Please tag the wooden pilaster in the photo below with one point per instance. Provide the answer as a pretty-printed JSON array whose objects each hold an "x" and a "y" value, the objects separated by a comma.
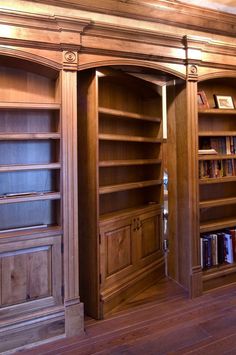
[
  {"x": 192, "y": 129},
  {"x": 73, "y": 307}
]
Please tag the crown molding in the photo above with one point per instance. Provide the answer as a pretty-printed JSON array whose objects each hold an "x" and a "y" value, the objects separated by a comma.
[{"x": 170, "y": 12}]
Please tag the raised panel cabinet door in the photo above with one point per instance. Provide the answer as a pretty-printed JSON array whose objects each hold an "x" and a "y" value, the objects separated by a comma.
[
  {"x": 116, "y": 250},
  {"x": 149, "y": 234},
  {"x": 26, "y": 275},
  {"x": 31, "y": 273}
]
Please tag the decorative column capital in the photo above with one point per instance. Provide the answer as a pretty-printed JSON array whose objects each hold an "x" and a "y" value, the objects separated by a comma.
[{"x": 70, "y": 60}]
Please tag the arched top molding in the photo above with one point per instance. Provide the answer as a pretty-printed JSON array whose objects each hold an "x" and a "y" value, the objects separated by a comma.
[
  {"x": 132, "y": 62},
  {"x": 34, "y": 63},
  {"x": 218, "y": 74}
]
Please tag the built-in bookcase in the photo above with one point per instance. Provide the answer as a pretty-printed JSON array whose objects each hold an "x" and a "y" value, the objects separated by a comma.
[
  {"x": 130, "y": 143},
  {"x": 29, "y": 165},
  {"x": 120, "y": 187},
  {"x": 30, "y": 191},
  {"x": 217, "y": 182}
]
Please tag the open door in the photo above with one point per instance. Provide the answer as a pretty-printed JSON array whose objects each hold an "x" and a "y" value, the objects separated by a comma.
[{"x": 120, "y": 185}]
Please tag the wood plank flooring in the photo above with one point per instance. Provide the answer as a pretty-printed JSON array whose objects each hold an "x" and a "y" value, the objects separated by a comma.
[{"x": 161, "y": 320}]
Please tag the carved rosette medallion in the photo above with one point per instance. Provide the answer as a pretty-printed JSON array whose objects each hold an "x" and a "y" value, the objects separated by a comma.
[
  {"x": 70, "y": 60},
  {"x": 192, "y": 72}
]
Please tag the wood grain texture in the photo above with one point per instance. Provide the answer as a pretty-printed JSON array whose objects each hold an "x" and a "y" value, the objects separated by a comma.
[
  {"x": 160, "y": 320},
  {"x": 73, "y": 308}
]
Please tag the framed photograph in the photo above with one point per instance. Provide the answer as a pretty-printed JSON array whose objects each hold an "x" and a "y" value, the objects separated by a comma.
[
  {"x": 202, "y": 100},
  {"x": 224, "y": 102}
]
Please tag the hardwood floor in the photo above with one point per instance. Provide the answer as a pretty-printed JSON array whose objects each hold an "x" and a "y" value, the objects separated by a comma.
[{"x": 161, "y": 320}]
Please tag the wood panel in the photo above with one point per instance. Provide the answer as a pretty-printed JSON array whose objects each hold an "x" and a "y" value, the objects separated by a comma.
[
  {"x": 26, "y": 275},
  {"x": 30, "y": 271},
  {"x": 88, "y": 190},
  {"x": 151, "y": 234},
  {"x": 28, "y": 87},
  {"x": 118, "y": 250}
]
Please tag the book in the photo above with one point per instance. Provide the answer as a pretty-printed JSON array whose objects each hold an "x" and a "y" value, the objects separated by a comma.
[
  {"x": 233, "y": 234},
  {"x": 228, "y": 248}
]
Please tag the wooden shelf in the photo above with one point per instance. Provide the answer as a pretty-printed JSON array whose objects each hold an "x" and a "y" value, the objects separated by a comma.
[
  {"x": 27, "y": 106},
  {"x": 217, "y": 180},
  {"x": 216, "y": 111},
  {"x": 110, "y": 163},
  {"x": 216, "y": 156},
  {"x": 127, "y": 115},
  {"x": 217, "y": 134},
  {"x": 218, "y": 224},
  {"x": 128, "y": 186},
  {"x": 218, "y": 202},
  {"x": 9, "y": 168},
  {"x": 124, "y": 138},
  {"x": 218, "y": 271},
  {"x": 128, "y": 211},
  {"x": 31, "y": 197},
  {"x": 30, "y": 231},
  {"x": 29, "y": 136}
]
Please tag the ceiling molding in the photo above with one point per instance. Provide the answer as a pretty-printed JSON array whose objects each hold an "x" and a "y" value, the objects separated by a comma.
[{"x": 169, "y": 12}]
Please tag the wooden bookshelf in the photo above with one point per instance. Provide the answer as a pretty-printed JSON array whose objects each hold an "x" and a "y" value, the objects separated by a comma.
[
  {"x": 121, "y": 185},
  {"x": 31, "y": 231},
  {"x": 217, "y": 198}
]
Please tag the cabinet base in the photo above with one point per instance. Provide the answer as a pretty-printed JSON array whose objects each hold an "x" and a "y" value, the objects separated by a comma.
[
  {"x": 145, "y": 278},
  {"x": 34, "y": 329}
]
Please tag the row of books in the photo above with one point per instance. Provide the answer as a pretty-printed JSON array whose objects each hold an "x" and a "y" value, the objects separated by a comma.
[
  {"x": 217, "y": 168},
  {"x": 218, "y": 248},
  {"x": 221, "y": 145}
]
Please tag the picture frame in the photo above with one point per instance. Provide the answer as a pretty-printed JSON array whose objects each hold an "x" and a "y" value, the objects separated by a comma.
[
  {"x": 224, "y": 102},
  {"x": 202, "y": 100}
]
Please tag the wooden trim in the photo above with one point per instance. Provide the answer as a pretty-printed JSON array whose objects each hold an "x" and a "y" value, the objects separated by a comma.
[
  {"x": 170, "y": 13},
  {"x": 73, "y": 308}
]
